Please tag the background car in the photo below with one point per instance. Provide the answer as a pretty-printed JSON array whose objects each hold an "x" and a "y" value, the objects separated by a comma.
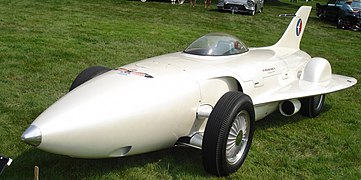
[
  {"x": 173, "y": 1},
  {"x": 332, "y": 10},
  {"x": 247, "y": 6}
]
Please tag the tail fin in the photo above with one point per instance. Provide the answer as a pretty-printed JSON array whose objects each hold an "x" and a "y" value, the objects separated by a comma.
[{"x": 291, "y": 38}]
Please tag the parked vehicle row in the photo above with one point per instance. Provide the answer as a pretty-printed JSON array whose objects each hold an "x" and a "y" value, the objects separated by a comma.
[{"x": 332, "y": 11}]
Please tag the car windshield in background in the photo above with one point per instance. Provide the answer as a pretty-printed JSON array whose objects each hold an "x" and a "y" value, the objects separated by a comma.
[
  {"x": 217, "y": 44},
  {"x": 356, "y": 4}
]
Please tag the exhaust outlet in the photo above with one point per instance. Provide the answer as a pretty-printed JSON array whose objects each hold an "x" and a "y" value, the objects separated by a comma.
[{"x": 289, "y": 107}]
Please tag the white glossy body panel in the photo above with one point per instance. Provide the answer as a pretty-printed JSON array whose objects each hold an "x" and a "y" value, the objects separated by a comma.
[{"x": 117, "y": 113}]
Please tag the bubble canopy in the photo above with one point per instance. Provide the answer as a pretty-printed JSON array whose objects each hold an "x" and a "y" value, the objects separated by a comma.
[{"x": 216, "y": 44}]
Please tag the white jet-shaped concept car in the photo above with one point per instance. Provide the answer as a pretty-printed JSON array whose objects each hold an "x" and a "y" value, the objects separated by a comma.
[{"x": 207, "y": 97}]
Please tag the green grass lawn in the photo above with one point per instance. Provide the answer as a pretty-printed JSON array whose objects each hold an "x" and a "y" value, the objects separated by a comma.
[{"x": 45, "y": 44}]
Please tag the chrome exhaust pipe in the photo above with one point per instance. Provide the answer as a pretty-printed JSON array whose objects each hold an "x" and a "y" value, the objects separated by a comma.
[{"x": 289, "y": 107}]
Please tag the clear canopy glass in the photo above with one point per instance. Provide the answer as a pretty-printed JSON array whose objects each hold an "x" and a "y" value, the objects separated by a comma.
[{"x": 216, "y": 44}]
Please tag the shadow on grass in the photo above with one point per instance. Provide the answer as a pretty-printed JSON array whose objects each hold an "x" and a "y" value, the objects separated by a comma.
[
  {"x": 276, "y": 120},
  {"x": 325, "y": 22},
  {"x": 328, "y": 24},
  {"x": 162, "y": 164}
]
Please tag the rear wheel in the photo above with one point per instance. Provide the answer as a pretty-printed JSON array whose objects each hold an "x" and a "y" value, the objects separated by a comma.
[
  {"x": 339, "y": 23},
  {"x": 312, "y": 106},
  {"x": 88, "y": 74},
  {"x": 228, "y": 134}
]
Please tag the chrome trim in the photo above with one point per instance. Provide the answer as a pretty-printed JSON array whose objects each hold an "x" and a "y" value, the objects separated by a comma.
[
  {"x": 238, "y": 137},
  {"x": 32, "y": 136},
  {"x": 204, "y": 111}
]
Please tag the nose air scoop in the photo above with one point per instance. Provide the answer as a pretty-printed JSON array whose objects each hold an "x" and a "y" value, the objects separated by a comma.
[{"x": 32, "y": 136}]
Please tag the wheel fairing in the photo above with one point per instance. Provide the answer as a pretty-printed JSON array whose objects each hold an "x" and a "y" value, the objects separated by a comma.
[{"x": 88, "y": 74}]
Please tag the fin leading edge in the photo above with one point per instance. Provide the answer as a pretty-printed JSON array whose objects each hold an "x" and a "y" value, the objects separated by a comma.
[{"x": 291, "y": 38}]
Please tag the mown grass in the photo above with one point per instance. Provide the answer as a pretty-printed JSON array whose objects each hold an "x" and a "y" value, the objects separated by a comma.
[{"x": 45, "y": 44}]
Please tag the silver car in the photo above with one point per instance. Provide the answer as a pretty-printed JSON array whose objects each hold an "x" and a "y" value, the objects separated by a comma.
[{"x": 247, "y": 6}]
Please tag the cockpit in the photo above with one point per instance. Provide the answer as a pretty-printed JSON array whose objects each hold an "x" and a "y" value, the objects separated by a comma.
[{"x": 216, "y": 44}]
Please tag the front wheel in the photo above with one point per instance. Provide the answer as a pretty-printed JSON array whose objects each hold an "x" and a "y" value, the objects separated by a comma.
[
  {"x": 339, "y": 23},
  {"x": 312, "y": 106},
  {"x": 228, "y": 134},
  {"x": 253, "y": 12},
  {"x": 88, "y": 74}
]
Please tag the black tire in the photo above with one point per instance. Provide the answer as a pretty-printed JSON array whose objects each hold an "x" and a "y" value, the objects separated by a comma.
[
  {"x": 233, "y": 109},
  {"x": 252, "y": 13},
  {"x": 320, "y": 16},
  {"x": 88, "y": 74},
  {"x": 339, "y": 23},
  {"x": 312, "y": 106}
]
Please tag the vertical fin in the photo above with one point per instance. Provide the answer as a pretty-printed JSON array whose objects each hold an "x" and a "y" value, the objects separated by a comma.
[{"x": 291, "y": 38}]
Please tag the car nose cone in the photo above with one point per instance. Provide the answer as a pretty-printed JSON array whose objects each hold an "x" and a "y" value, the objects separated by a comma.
[{"x": 32, "y": 136}]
